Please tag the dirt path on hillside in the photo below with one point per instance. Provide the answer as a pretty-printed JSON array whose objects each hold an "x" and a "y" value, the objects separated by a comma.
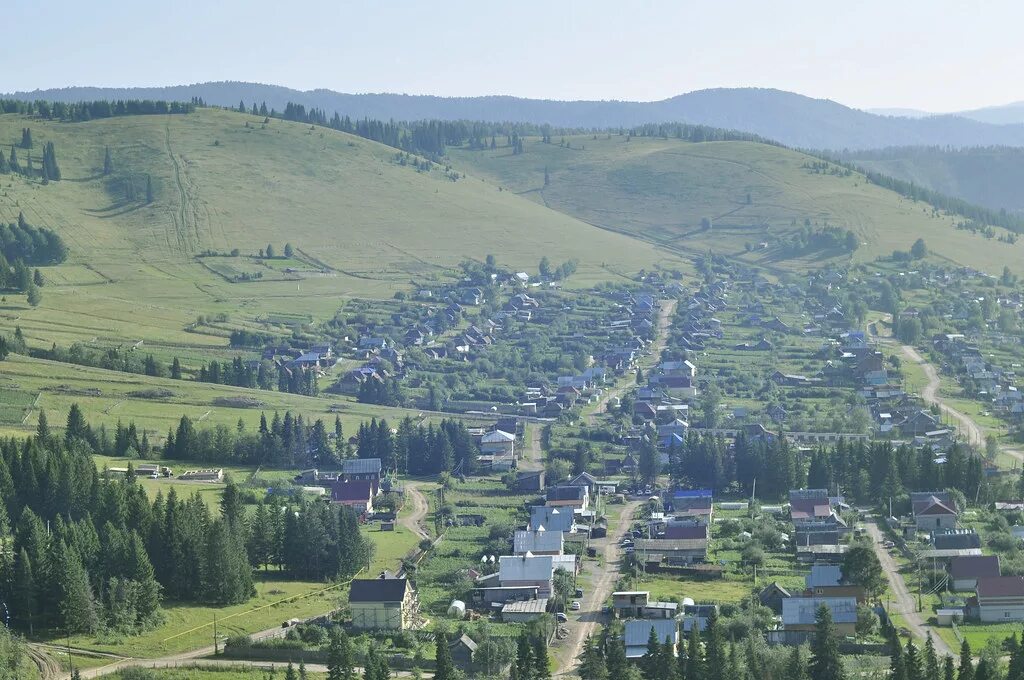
[
  {"x": 665, "y": 310},
  {"x": 413, "y": 521},
  {"x": 905, "y": 603},
  {"x": 532, "y": 458},
  {"x": 568, "y": 652}
]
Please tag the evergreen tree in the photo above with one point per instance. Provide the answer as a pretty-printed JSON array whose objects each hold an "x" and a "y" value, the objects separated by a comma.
[
  {"x": 77, "y": 605},
  {"x": 651, "y": 662},
  {"x": 695, "y": 667},
  {"x": 33, "y": 295},
  {"x": 108, "y": 162},
  {"x": 339, "y": 656},
  {"x": 289, "y": 673},
  {"x": 931, "y": 659},
  {"x": 176, "y": 369},
  {"x": 43, "y": 428},
  {"x": 592, "y": 664},
  {"x": 26, "y": 138},
  {"x": 541, "y": 665},
  {"x": 444, "y": 667},
  {"x": 149, "y": 188},
  {"x": 796, "y": 670},
  {"x": 825, "y": 664},
  {"x": 966, "y": 662},
  {"x": 288, "y": 250},
  {"x": 714, "y": 651},
  {"x": 25, "y": 606}
]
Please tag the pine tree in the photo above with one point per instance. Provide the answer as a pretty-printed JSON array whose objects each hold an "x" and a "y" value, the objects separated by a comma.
[
  {"x": 77, "y": 605},
  {"x": 966, "y": 662},
  {"x": 43, "y": 428},
  {"x": 948, "y": 669},
  {"x": 149, "y": 188},
  {"x": 694, "y": 668},
  {"x": 912, "y": 661},
  {"x": 339, "y": 656},
  {"x": 796, "y": 669},
  {"x": 825, "y": 663},
  {"x": 931, "y": 659},
  {"x": 26, "y": 138},
  {"x": 592, "y": 664},
  {"x": 541, "y": 664},
  {"x": 108, "y": 162},
  {"x": 33, "y": 295},
  {"x": 715, "y": 649},
  {"x": 289, "y": 673},
  {"x": 444, "y": 667},
  {"x": 176, "y": 369},
  {"x": 25, "y": 604},
  {"x": 651, "y": 662}
]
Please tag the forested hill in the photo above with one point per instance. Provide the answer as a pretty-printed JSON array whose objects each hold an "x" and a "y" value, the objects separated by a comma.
[
  {"x": 988, "y": 176},
  {"x": 789, "y": 118}
]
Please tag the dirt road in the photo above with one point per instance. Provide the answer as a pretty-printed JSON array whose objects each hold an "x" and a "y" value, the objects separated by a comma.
[
  {"x": 602, "y": 586},
  {"x": 930, "y": 393},
  {"x": 665, "y": 310},
  {"x": 413, "y": 521},
  {"x": 905, "y": 604}
]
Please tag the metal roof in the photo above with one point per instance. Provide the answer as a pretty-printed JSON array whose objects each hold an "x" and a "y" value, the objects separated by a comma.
[
  {"x": 377, "y": 590},
  {"x": 823, "y": 575},
  {"x": 802, "y": 610},
  {"x": 360, "y": 466},
  {"x": 638, "y": 632},
  {"x": 537, "y": 541}
]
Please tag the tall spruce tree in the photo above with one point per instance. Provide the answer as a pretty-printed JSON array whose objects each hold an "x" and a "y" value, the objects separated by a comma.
[
  {"x": 826, "y": 663},
  {"x": 444, "y": 668},
  {"x": 108, "y": 162}
]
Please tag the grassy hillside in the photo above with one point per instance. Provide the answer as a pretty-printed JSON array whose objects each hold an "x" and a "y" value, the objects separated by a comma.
[
  {"x": 990, "y": 177},
  {"x": 362, "y": 225},
  {"x": 661, "y": 189}
]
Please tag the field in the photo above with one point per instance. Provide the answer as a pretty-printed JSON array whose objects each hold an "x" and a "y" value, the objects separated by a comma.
[
  {"x": 191, "y": 626},
  {"x": 661, "y": 189}
]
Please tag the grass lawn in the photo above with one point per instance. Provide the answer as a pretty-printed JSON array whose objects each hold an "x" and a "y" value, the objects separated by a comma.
[
  {"x": 717, "y": 590},
  {"x": 389, "y": 547},
  {"x": 205, "y": 673},
  {"x": 188, "y": 626}
]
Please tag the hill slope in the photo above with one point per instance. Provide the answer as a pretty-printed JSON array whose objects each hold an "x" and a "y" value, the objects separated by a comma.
[
  {"x": 790, "y": 118},
  {"x": 989, "y": 176},
  {"x": 662, "y": 189},
  {"x": 362, "y": 224}
]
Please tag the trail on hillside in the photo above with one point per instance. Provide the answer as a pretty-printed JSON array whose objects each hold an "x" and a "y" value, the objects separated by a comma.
[{"x": 182, "y": 227}]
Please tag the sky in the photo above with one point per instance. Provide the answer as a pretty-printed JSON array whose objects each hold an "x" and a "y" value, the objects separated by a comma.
[{"x": 935, "y": 55}]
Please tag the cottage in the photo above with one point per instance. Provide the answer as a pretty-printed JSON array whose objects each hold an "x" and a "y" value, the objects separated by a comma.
[
  {"x": 698, "y": 614},
  {"x": 674, "y": 552},
  {"x": 362, "y": 469},
  {"x": 772, "y": 595},
  {"x": 382, "y": 604},
  {"x": 575, "y": 497},
  {"x": 965, "y": 571},
  {"x": 693, "y": 504},
  {"x": 498, "y": 443},
  {"x": 357, "y": 494},
  {"x": 551, "y": 519},
  {"x": 638, "y": 604},
  {"x": 1000, "y": 598},
  {"x": 462, "y": 650},
  {"x": 798, "y": 613},
  {"x": 933, "y": 510},
  {"x": 826, "y": 580},
  {"x": 539, "y": 542},
  {"x": 637, "y": 633}
]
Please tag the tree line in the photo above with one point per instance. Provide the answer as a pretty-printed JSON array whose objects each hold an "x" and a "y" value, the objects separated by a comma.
[
  {"x": 83, "y": 552},
  {"x": 416, "y": 449},
  {"x": 82, "y": 111},
  {"x": 865, "y": 471},
  {"x": 35, "y": 246}
]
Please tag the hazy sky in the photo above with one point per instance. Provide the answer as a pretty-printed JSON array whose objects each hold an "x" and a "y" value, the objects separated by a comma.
[{"x": 937, "y": 55}]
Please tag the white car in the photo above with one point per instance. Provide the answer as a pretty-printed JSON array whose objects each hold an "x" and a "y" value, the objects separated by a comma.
[{"x": 575, "y": 606}]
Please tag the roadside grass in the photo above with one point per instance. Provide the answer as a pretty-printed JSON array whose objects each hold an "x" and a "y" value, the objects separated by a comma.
[
  {"x": 188, "y": 626},
  {"x": 241, "y": 672}
]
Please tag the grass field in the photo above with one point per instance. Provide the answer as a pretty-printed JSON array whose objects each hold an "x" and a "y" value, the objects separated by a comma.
[
  {"x": 227, "y": 673},
  {"x": 661, "y": 189},
  {"x": 191, "y": 626}
]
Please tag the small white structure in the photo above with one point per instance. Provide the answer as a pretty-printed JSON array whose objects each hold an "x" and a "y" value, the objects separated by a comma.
[{"x": 457, "y": 609}]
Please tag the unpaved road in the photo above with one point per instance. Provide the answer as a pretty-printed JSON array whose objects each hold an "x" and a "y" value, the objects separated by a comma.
[
  {"x": 665, "y": 309},
  {"x": 905, "y": 604},
  {"x": 568, "y": 652},
  {"x": 930, "y": 394},
  {"x": 413, "y": 521}
]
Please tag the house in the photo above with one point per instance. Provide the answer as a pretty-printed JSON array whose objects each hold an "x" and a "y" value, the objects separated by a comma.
[
  {"x": 362, "y": 469},
  {"x": 585, "y": 479},
  {"x": 630, "y": 604},
  {"x": 382, "y": 604},
  {"x": 806, "y": 505},
  {"x": 693, "y": 504},
  {"x": 498, "y": 443},
  {"x": 462, "y": 650},
  {"x": 956, "y": 540},
  {"x": 357, "y": 494},
  {"x": 674, "y": 552},
  {"x": 539, "y": 542},
  {"x": 551, "y": 519},
  {"x": 487, "y": 596},
  {"x": 575, "y": 497},
  {"x": 1000, "y": 598},
  {"x": 772, "y": 595},
  {"x": 826, "y": 580},
  {"x": 685, "y": 530},
  {"x": 699, "y": 614},
  {"x": 524, "y": 611},
  {"x": 637, "y": 633},
  {"x": 530, "y": 481},
  {"x": 798, "y": 613},
  {"x": 776, "y": 413},
  {"x": 966, "y": 570},
  {"x": 933, "y": 510},
  {"x": 533, "y": 570}
]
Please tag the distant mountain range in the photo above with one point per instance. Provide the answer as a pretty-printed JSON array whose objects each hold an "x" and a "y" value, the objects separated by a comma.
[{"x": 792, "y": 119}]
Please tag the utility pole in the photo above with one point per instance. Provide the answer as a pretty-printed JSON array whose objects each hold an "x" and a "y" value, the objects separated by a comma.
[
  {"x": 71, "y": 664},
  {"x": 215, "y": 649},
  {"x": 919, "y": 585}
]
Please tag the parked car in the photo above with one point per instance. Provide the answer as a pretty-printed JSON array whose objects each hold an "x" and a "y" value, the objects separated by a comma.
[
  {"x": 575, "y": 606},
  {"x": 579, "y": 592},
  {"x": 561, "y": 618}
]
